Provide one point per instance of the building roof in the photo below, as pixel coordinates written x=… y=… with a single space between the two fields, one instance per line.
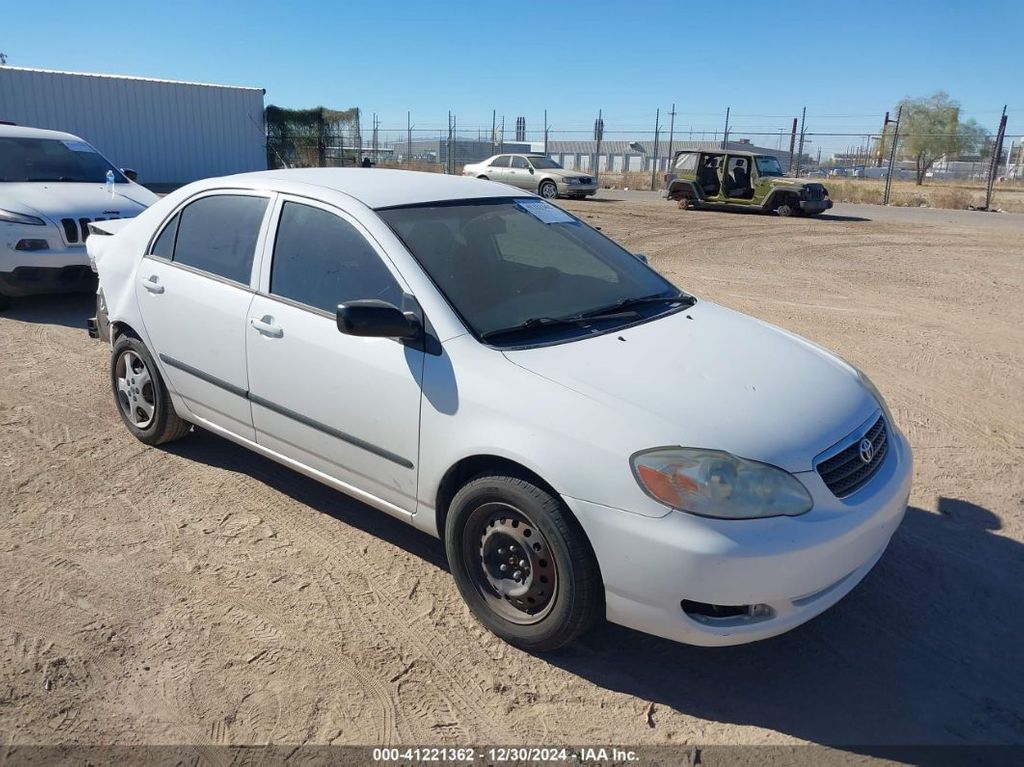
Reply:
x=624 y=147
x=129 y=77
x=380 y=187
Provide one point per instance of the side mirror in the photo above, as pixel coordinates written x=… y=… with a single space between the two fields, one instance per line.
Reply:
x=641 y=257
x=130 y=174
x=373 y=318
x=531 y=171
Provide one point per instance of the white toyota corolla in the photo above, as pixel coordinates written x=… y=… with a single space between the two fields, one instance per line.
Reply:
x=587 y=439
x=52 y=185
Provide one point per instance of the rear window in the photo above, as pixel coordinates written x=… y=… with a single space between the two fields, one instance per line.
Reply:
x=218 y=235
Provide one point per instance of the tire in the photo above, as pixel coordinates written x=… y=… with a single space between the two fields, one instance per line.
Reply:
x=550 y=590
x=548 y=190
x=685 y=204
x=140 y=395
x=785 y=209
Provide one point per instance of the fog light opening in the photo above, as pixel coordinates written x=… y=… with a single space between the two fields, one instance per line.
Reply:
x=705 y=612
x=32 y=245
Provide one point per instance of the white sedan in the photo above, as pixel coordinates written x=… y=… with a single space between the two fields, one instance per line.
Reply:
x=52 y=185
x=588 y=440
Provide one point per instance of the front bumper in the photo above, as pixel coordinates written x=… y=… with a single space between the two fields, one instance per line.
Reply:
x=55 y=270
x=577 y=190
x=815 y=206
x=795 y=566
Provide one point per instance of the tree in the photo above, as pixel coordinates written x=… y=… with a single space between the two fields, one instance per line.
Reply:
x=931 y=127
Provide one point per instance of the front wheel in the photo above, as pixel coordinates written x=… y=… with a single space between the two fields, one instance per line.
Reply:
x=786 y=209
x=548 y=190
x=522 y=563
x=141 y=396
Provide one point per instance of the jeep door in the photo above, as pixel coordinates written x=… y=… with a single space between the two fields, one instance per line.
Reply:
x=195 y=287
x=343 y=405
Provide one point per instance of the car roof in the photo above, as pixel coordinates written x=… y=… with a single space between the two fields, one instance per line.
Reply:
x=380 y=187
x=23 y=131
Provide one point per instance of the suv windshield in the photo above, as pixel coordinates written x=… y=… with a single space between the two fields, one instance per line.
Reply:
x=544 y=163
x=33 y=159
x=523 y=270
x=768 y=166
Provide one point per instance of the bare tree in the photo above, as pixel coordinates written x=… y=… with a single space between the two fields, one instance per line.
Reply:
x=931 y=127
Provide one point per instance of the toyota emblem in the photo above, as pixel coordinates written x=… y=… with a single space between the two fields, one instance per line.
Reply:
x=867 y=450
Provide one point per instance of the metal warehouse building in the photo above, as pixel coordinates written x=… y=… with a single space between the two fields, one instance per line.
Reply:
x=170 y=132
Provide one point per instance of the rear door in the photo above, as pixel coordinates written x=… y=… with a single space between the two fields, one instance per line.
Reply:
x=498 y=169
x=343 y=405
x=194 y=292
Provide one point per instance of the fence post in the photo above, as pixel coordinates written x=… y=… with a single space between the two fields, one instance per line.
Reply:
x=725 y=133
x=997 y=150
x=892 y=156
x=654 y=159
x=800 y=151
x=671 y=135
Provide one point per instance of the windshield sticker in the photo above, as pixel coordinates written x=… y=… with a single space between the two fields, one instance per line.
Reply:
x=78 y=146
x=545 y=212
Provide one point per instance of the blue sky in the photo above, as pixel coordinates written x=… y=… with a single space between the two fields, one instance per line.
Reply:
x=847 y=63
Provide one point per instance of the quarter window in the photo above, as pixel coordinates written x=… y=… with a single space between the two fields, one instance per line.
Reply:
x=164 y=245
x=218 y=235
x=321 y=260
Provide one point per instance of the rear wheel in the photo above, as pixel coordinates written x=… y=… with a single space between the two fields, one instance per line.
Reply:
x=685 y=203
x=522 y=563
x=548 y=190
x=141 y=396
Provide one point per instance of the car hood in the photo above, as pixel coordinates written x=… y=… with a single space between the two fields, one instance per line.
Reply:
x=564 y=173
x=68 y=200
x=713 y=378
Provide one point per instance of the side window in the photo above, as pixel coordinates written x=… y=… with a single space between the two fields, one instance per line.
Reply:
x=321 y=260
x=686 y=162
x=164 y=245
x=218 y=235
x=519 y=162
x=500 y=162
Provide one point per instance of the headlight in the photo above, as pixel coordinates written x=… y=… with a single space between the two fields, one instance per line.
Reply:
x=713 y=483
x=11 y=217
x=572 y=180
x=873 y=391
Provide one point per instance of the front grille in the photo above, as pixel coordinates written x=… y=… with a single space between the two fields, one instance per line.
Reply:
x=847 y=472
x=70 y=230
x=815 y=192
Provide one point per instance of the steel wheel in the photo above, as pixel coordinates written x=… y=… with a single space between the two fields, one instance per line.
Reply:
x=548 y=190
x=135 y=392
x=510 y=563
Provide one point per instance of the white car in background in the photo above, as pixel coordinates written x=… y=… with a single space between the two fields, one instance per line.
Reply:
x=534 y=173
x=588 y=440
x=52 y=186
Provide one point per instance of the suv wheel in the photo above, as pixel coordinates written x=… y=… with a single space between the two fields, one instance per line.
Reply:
x=786 y=208
x=548 y=190
x=141 y=396
x=522 y=563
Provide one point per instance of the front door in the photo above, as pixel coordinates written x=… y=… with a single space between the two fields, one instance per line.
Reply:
x=194 y=293
x=342 y=405
x=521 y=174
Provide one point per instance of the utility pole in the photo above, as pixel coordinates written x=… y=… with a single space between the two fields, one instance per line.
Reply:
x=892 y=153
x=671 y=132
x=598 y=136
x=408 y=138
x=792 y=146
x=494 y=129
x=881 y=144
x=502 y=134
x=545 y=131
x=800 y=152
x=997 y=150
x=654 y=154
x=725 y=133
x=376 y=146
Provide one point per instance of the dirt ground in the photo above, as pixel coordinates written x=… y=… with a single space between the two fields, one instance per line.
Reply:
x=201 y=594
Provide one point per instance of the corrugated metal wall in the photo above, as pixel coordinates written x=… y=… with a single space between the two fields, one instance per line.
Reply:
x=170 y=132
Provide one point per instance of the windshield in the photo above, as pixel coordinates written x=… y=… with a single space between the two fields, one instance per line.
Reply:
x=544 y=163
x=768 y=166
x=523 y=270
x=33 y=159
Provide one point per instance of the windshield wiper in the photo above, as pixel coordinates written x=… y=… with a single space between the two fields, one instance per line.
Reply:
x=627 y=303
x=537 y=323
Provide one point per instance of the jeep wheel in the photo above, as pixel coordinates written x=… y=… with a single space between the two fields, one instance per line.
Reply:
x=786 y=208
x=685 y=203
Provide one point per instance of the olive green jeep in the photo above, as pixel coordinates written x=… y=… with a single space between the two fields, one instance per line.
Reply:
x=733 y=180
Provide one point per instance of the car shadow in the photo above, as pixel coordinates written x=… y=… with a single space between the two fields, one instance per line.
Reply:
x=926 y=650
x=68 y=309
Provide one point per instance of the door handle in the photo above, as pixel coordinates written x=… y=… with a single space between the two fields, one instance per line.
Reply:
x=152 y=284
x=265 y=326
